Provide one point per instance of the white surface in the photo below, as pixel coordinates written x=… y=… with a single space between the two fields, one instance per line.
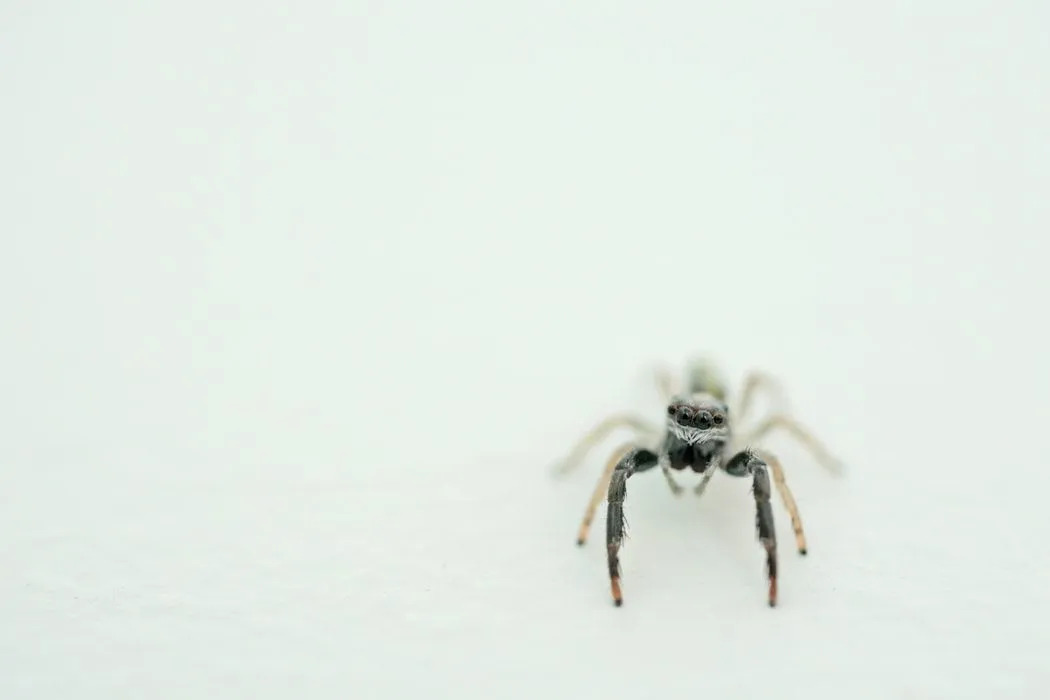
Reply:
x=298 y=305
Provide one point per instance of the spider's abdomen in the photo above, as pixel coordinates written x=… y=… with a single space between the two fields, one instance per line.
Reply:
x=702 y=376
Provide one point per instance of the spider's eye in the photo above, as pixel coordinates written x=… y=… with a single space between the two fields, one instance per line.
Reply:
x=717 y=419
x=671 y=410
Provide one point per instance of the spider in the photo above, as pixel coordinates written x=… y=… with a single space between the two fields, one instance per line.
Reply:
x=698 y=435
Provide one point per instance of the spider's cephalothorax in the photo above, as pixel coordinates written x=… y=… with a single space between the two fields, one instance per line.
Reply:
x=698 y=435
x=697 y=431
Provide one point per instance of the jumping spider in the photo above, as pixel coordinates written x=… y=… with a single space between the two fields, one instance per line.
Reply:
x=698 y=434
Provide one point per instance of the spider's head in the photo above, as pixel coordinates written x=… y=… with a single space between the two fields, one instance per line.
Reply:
x=698 y=419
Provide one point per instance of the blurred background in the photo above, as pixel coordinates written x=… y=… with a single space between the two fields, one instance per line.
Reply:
x=299 y=304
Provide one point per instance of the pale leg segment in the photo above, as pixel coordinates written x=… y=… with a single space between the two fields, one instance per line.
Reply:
x=804 y=436
x=600 y=490
x=599 y=433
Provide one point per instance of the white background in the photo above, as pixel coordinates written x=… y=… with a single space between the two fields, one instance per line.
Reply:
x=298 y=305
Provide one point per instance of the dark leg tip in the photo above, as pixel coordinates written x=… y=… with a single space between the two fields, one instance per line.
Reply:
x=618 y=602
x=803 y=551
x=772 y=603
x=579 y=542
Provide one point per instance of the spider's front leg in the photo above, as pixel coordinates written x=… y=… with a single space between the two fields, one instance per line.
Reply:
x=743 y=464
x=635 y=461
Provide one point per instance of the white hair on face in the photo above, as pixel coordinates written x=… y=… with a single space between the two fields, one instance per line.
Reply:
x=698 y=436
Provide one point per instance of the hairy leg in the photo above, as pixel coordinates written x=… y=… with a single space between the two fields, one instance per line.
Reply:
x=600 y=490
x=635 y=461
x=747 y=463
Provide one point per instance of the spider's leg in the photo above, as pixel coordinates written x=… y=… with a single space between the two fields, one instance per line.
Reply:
x=636 y=460
x=598 y=433
x=702 y=486
x=665 y=467
x=786 y=497
x=599 y=491
x=667 y=387
x=743 y=464
x=753 y=382
x=665 y=383
x=797 y=431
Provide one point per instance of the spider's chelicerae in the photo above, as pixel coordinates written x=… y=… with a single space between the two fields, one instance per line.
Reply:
x=700 y=434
